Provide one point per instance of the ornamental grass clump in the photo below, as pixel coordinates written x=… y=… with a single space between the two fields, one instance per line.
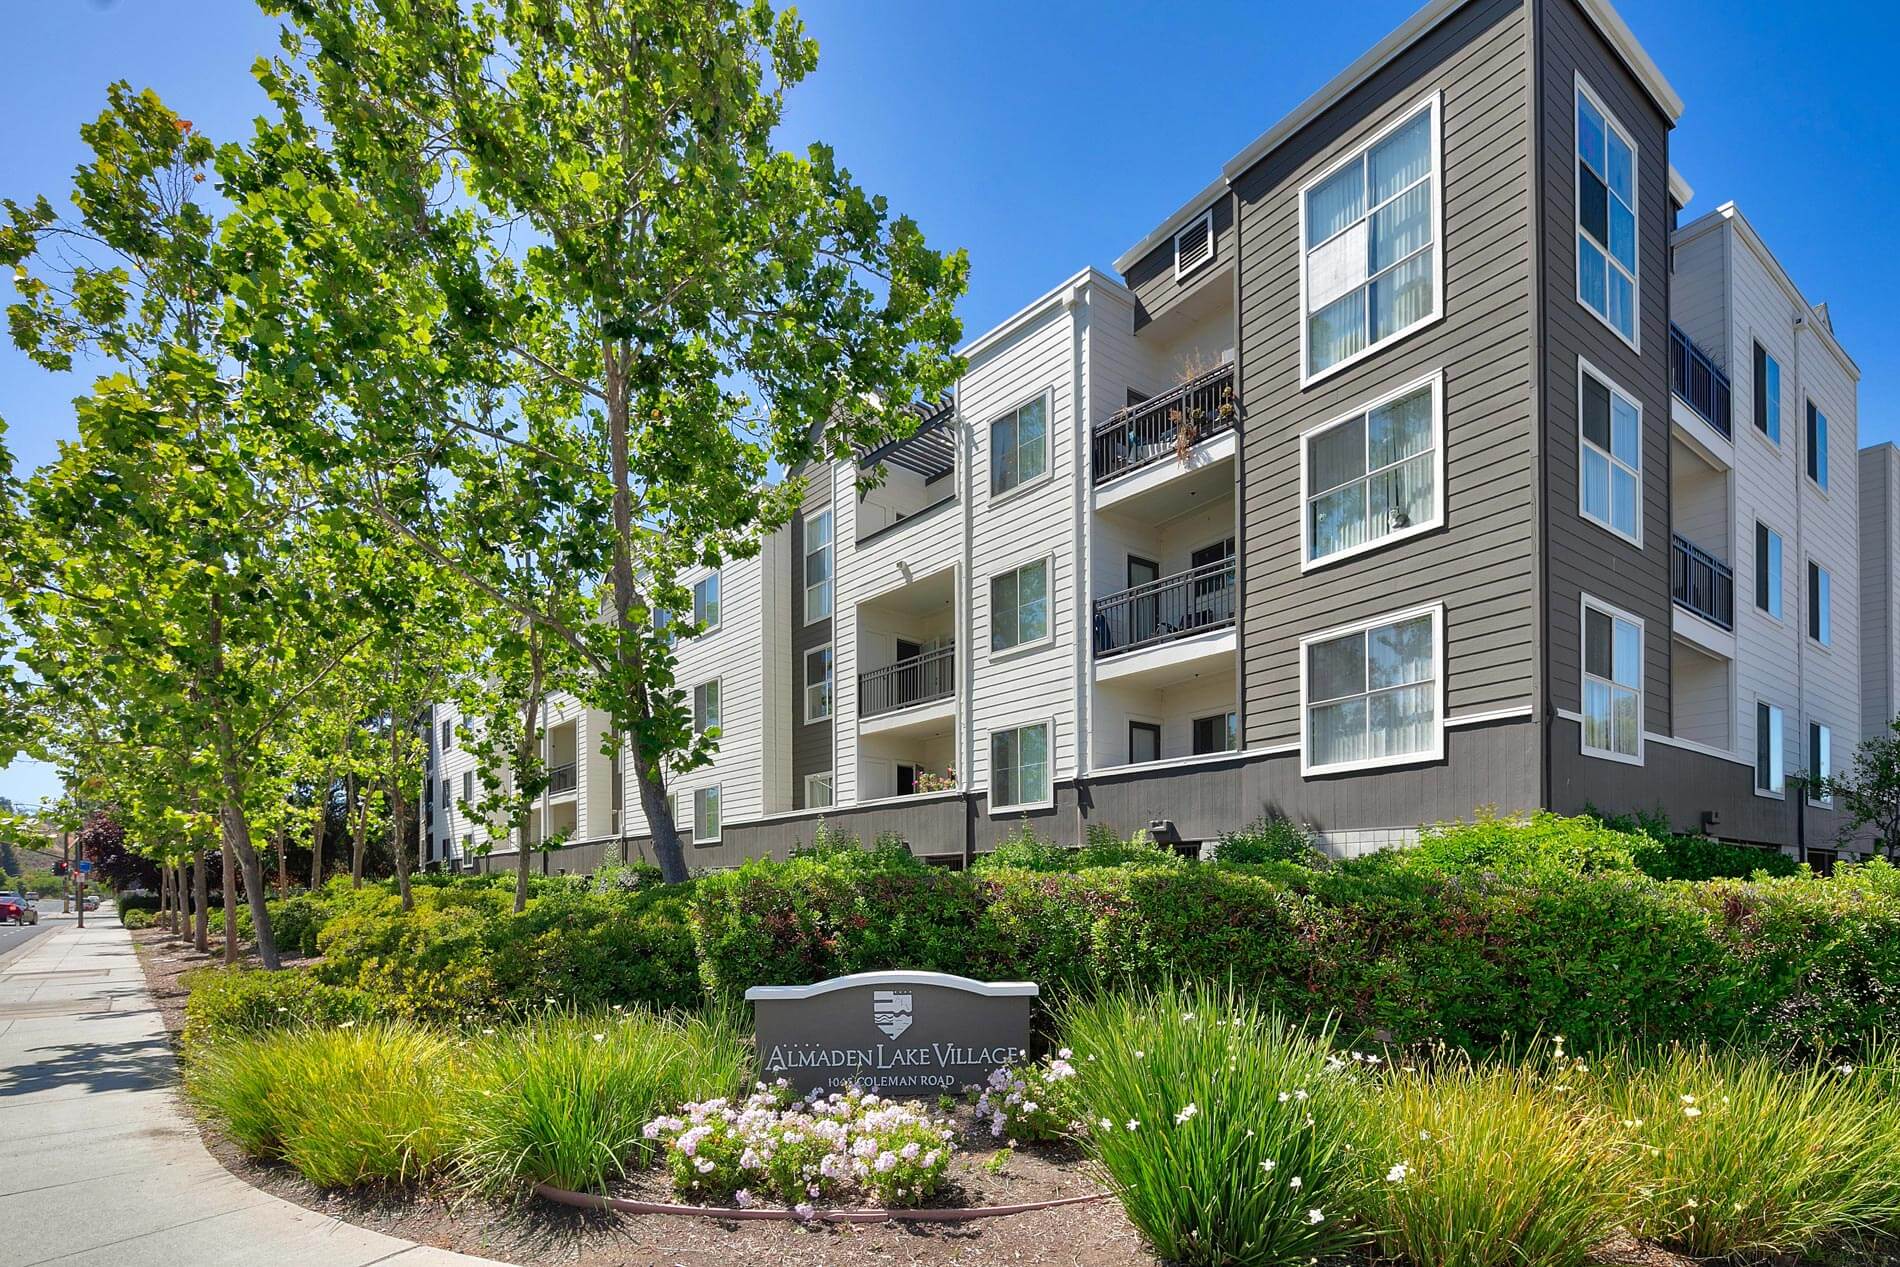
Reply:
x=799 y=1150
x=1739 y=1154
x=562 y=1099
x=1224 y=1130
x=345 y=1105
x=1490 y=1164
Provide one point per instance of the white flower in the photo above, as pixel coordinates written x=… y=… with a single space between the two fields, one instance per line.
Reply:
x=1106 y=1125
x=1138 y=1055
x=1300 y=1095
x=1133 y=1123
x=1284 y=1097
x=1844 y=1070
x=600 y=1038
x=803 y=1210
x=345 y=1024
x=704 y=1165
x=1688 y=1099
x=1396 y=1174
x=1064 y=1054
x=1315 y=1215
x=1294 y=1183
x=1185 y=1114
x=1187 y=1016
x=744 y=1198
x=1267 y=1164
x=1692 y=1111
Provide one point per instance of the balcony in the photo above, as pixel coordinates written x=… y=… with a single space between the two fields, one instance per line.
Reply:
x=561 y=778
x=1197 y=601
x=1165 y=426
x=1695 y=378
x=921 y=679
x=1701 y=584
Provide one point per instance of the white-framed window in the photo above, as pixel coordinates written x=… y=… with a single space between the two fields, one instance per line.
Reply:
x=818 y=683
x=818 y=791
x=1609 y=454
x=1607 y=235
x=1817 y=446
x=706 y=707
x=1370 y=226
x=1144 y=741
x=1374 y=476
x=1820 y=604
x=1612 y=682
x=1219 y=733
x=1770 y=777
x=706 y=602
x=1019 y=606
x=1020 y=767
x=1371 y=693
x=818 y=566
x=1767 y=570
x=448 y=735
x=705 y=814
x=445 y=791
x=1194 y=244
x=1820 y=764
x=1019 y=445
x=468 y=787
x=1767 y=394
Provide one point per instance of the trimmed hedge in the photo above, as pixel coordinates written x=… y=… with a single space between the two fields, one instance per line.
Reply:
x=229 y=1003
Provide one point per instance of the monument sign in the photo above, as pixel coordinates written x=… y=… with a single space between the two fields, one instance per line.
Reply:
x=896 y=1033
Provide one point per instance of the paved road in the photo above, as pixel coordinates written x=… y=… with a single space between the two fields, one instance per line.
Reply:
x=13 y=937
x=90 y=1120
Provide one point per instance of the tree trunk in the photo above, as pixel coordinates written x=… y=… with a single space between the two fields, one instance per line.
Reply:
x=398 y=807
x=283 y=862
x=200 y=900
x=316 y=834
x=165 y=896
x=237 y=835
x=358 y=808
x=230 y=904
x=666 y=840
x=524 y=755
x=179 y=925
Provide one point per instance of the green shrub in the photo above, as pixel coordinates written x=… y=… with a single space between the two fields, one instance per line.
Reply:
x=1106 y=849
x=1268 y=839
x=567 y=1096
x=296 y=921
x=1223 y=1130
x=1023 y=850
x=1544 y=847
x=829 y=844
x=137 y=918
x=227 y=1003
x=344 y=1105
x=215 y=922
x=129 y=902
x=1737 y=1154
x=1490 y=1165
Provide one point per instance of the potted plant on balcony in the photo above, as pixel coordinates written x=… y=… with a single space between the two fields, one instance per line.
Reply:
x=931 y=781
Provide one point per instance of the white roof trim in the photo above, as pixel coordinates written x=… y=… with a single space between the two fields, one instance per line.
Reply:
x=1679 y=189
x=1194 y=206
x=1090 y=278
x=988 y=989
x=1600 y=12
x=1732 y=214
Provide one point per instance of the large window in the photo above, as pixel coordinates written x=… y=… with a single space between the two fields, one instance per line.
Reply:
x=818 y=790
x=1371 y=264
x=1817 y=445
x=1606 y=216
x=1609 y=454
x=1372 y=477
x=818 y=566
x=1019 y=445
x=1820 y=604
x=1769 y=775
x=705 y=814
x=1371 y=693
x=706 y=602
x=1612 y=683
x=1144 y=742
x=1019 y=767
x=1219 y=733
x=1820 y=763
x=1767 y=394
x=818 y=683
x=706 y=707
x=1767 y=569
x=1019 y=606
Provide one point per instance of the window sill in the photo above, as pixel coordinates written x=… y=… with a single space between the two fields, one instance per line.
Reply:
x=1372 y=765
x=1604 y=754
x=1636 y=344
x=1046 y=479
x=1434 y=524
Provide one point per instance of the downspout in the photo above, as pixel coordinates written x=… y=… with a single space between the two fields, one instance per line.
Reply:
x=966 y=653
x=1081 y=319
x=1541 y=707
x=1806 y=600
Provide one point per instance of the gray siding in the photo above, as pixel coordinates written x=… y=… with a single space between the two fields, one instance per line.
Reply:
x=1152 y=277
x=1877 y=488
x=812 y=746
x=1480 y=565
x=1581 y=556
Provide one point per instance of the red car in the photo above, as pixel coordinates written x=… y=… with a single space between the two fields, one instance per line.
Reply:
x=15 y=906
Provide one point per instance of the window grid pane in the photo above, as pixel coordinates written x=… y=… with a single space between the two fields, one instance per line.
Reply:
x=1372 y=695
x=1610 y=428
x=1372 y=475
x=1606 y=218
x=1612 y=684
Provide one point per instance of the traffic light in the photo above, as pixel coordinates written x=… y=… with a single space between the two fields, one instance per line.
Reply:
x=62 y=867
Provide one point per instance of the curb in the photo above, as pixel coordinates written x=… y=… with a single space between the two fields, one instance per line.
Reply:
x=593 y=1201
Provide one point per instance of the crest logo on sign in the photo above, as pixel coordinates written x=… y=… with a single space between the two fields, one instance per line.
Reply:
x=891 y=1009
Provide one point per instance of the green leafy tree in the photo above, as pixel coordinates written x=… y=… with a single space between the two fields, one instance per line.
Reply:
x=560 y=230
x=1870 y=793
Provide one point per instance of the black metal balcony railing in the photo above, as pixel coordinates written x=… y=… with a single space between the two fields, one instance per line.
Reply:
x=1697 y=379
x=1701 y=583
x=1163 y=425
x=918 y=680
x=1177 y=606
x=561 y=778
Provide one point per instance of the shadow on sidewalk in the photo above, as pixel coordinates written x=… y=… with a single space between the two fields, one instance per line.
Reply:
x=141 y=1064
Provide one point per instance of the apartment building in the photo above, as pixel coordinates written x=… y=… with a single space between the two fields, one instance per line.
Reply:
x=1396 y=474
x=1880 y=617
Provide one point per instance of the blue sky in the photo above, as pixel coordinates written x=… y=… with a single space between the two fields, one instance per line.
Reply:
x=1043 y=136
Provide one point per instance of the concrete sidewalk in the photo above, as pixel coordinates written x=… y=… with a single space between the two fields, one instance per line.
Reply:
x=99 y=1162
